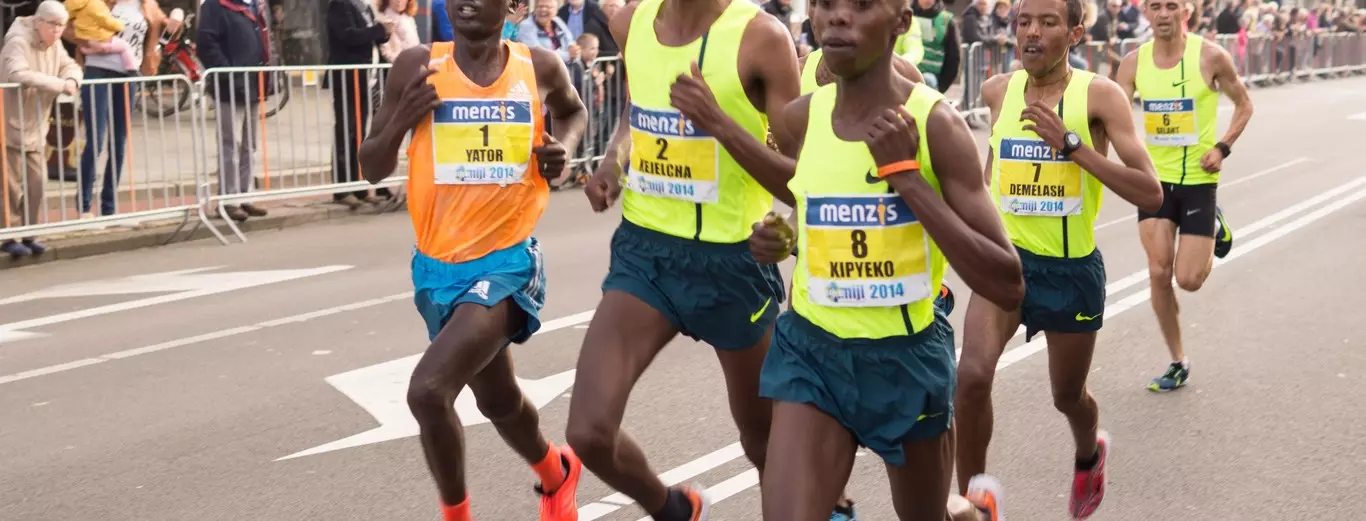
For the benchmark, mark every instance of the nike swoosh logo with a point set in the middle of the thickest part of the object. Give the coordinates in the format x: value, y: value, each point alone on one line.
x: 1084, y: 318
x: 923, y: 417
x: 870, y: 178
x: 755, y: 317
x: 1179, y: 83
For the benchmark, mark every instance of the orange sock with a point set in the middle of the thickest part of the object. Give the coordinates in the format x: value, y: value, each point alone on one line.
x: 459, y: 512
x: 551, y: 470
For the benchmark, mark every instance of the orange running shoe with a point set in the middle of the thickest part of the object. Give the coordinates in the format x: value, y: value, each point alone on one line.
x: 563, y: 504
x: 701, y: 503
x: 986, y: 493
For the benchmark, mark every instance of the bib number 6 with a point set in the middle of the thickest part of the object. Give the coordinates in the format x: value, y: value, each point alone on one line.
x: 1166, y: 120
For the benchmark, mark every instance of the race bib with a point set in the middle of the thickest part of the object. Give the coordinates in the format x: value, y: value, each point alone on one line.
x: 673, y: 158
x: 1036, y: 181
x: 865, y: 251
x: 1170, y: 123
x: 479, y: 142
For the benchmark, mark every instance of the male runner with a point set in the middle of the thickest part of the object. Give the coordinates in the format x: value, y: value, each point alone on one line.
x: 863, y: 357
x: 479, y: 161
x: 702, y: 75
x: 1051, y: 130
x: 1179, y: 77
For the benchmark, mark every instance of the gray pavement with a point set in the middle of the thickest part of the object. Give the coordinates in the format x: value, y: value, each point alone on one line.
x: 122, y: 400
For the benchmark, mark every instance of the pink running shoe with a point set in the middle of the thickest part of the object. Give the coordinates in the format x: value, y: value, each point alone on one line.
x: 1088, y: 486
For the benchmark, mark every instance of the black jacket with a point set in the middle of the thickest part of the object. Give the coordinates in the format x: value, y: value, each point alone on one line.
x: 351, y: 39
x: 594, y: 23
x: 232, y: 34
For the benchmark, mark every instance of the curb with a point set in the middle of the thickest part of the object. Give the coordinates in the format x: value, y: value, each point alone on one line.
x: 164, y: 233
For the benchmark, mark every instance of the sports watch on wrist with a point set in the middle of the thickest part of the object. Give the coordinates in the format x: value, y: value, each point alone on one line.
x: 1071, y: 142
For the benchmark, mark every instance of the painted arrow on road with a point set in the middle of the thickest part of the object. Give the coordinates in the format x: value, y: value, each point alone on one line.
x: 178, y: 285
x: 382, y: 390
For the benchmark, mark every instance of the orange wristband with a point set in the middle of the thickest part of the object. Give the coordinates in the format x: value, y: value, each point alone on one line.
x: 899, y: 166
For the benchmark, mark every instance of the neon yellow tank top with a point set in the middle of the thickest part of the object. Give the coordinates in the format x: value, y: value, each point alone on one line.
x: 1047, y: 203
x: 866, y: 267
x: 1180, y: 114
x: 680, y: 180
x: 813, y: 61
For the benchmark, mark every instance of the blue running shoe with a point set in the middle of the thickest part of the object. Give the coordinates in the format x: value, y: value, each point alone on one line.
x: 1175, y: 378
x: 1223, y: 235
x: 844, y: 513
x: 945, y: 300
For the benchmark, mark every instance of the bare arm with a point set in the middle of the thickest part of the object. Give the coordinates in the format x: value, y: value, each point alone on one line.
x: 907, y: 69
x: 993, y: 92
x: 1134, y: 179
x: 1127, y: 75
x: 378, y: 154
x: 1226, y: 79
x: 567, y: 114
x: 14, y: 59
x: 963, y: 223
x: 618, y: 148
x: 776, y: 65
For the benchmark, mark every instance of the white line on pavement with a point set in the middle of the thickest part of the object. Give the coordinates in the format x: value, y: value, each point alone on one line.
x: 1235, y: 182
x: 749, y: 477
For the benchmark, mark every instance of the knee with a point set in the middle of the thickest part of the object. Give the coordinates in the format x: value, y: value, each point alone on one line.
x: 503, y: 406
x: 754, y: 441
x: 428, y: 396
x: 1190, y: 281
x: 1160, y: 274
x: 1067, y: 401
x: 974, y: 382
x: 593, y: 439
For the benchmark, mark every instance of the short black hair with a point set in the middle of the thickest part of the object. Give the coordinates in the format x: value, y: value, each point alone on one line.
x: 1074, y: 12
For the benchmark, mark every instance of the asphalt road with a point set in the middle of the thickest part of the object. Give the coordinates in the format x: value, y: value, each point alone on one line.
x: 177, y: 396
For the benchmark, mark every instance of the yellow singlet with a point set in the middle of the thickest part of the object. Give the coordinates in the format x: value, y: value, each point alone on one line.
x: 1180, y: 114
x: 680, y: 180
x: 1047, y: 203
x: 866, y: 267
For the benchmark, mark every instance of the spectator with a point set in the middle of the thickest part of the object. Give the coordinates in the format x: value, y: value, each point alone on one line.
x: 43, y: 70
x: 398, y: 13
x: 353, y: 34
x: 780, y: 9
x: 544, y: 29
x: 94, y: 27
x: 516, y: 13
x: 585, y: 17
x: 588, y: 78
x: 806, y: 36
x: 1229, y: 19
x: 441, y: 22
x: 104, y: 106
x: 976, y: 26
x: 939, y: 34
x: 236, y: 33
x: 610, y: 8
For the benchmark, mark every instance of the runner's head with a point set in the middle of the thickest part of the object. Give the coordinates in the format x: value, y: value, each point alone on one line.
x: 858, y: 34
x: 1046, y: 30
x: 477, y: 19
x: 1168, y: 17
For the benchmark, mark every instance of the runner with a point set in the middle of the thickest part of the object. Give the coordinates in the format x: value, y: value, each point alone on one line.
x: 867, y: 265
x: 680, y: 263
x: 478, y: 168
x: 1051, y: 130
x: 1179, y: 77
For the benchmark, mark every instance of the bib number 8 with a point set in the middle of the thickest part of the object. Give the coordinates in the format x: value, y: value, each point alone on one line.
x: 858, y: 244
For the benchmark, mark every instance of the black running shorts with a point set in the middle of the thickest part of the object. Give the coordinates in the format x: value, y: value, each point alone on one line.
x: 1191, y: 207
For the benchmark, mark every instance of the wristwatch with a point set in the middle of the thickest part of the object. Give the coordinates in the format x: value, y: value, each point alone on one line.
x: 1071, y: 142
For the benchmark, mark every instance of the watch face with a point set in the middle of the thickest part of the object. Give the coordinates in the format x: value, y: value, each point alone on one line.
x: 1073, y: 140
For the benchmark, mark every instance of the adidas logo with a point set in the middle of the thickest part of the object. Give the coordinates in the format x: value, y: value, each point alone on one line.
x: 519, y: 92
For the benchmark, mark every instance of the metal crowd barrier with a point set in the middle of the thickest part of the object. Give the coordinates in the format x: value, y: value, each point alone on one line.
x: 173, y: 162
x: 147, y: 166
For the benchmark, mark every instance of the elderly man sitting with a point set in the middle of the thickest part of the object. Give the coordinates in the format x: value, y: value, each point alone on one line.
x: 32, y: 58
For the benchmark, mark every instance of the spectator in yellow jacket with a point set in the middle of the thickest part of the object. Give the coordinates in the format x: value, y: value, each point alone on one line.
x: 95, y: 27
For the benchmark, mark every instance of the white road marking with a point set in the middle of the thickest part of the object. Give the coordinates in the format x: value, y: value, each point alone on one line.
x: 186, y: 284
x: 1357, y: 117
x: 1235, y: 182
x: 749, y: 477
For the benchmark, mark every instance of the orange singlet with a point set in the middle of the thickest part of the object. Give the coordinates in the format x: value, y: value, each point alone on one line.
x: 473, y: 187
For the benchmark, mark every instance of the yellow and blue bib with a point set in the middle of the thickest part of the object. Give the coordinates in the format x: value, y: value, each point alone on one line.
x: 1047, y: 202
x: 1180, y: 114
x: 680, y: 180
x: 866, y: 266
